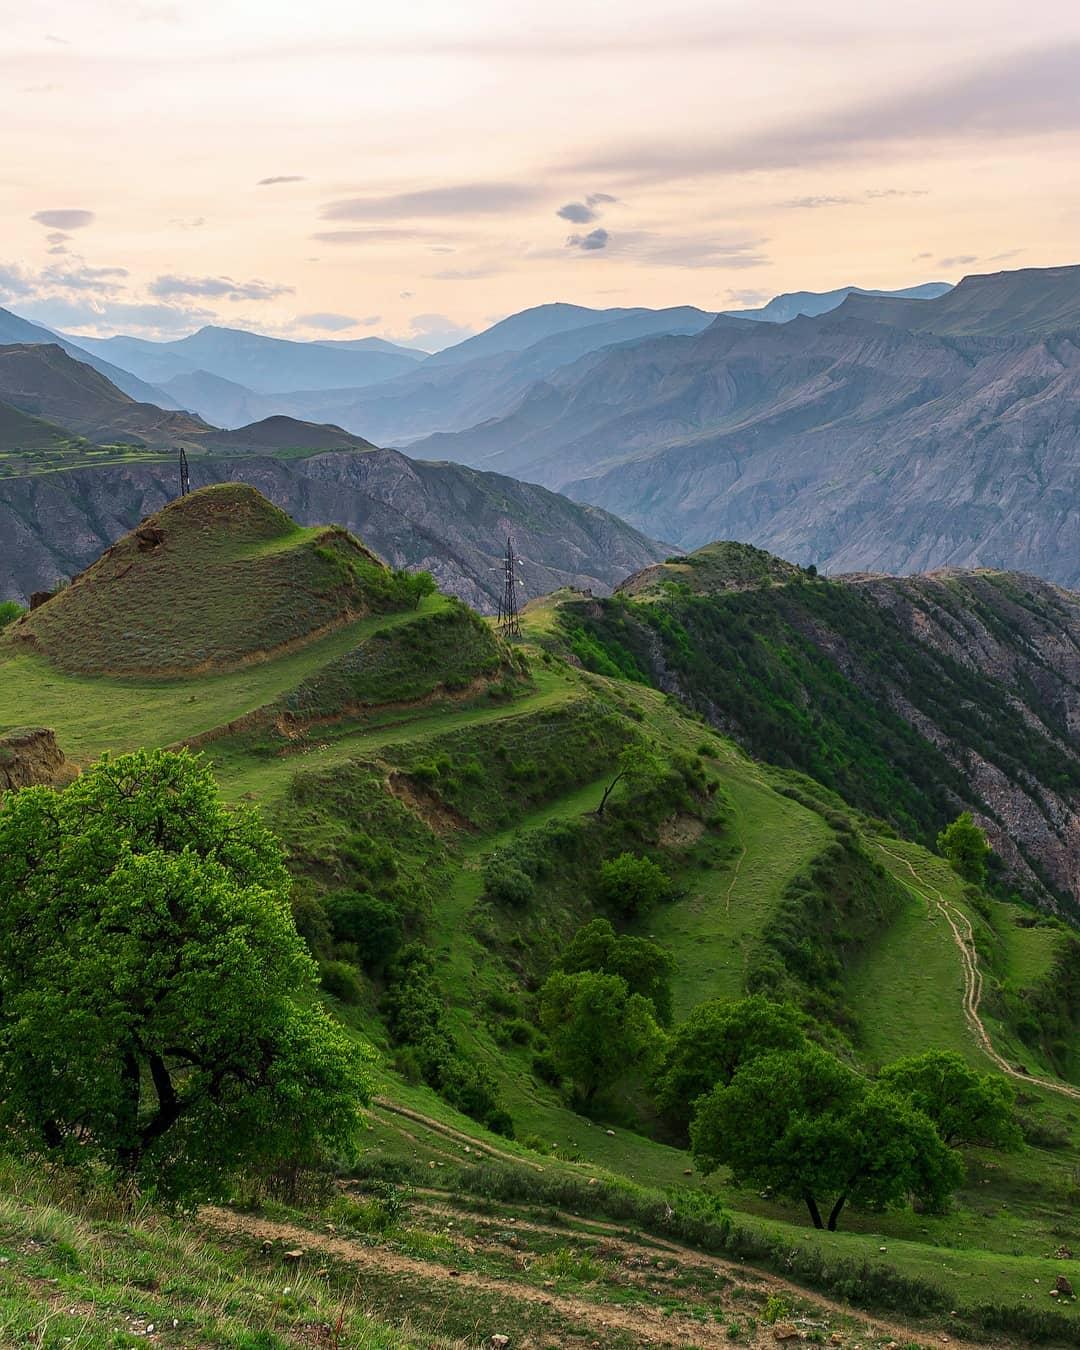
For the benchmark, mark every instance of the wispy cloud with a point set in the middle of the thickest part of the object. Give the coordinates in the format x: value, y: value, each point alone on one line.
x: 377, y: 234
x: 281, y: 178
x: 328, y: 322
x: 460, y: 199
x: 958, y: 260
x: 170, y: 285
x: 1029, y: 92
x: 581, y: 213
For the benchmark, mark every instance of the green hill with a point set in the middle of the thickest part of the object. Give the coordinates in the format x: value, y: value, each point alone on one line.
x: 216, y: 579
x: 424, y: 773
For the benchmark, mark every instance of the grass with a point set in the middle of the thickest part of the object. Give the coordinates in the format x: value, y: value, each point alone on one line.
x: 409, y: 696
x: 236, y: 578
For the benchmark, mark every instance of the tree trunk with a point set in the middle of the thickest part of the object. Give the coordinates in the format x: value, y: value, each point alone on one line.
x: 815, y: 1213
x: 607, y: 793
x: 169, y: 1106
x: 130, y: 1150
x: 835, y: 1213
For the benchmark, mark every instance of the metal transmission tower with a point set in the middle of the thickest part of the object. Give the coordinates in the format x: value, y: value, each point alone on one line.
x: 508, y: 603
x: 185, y: 476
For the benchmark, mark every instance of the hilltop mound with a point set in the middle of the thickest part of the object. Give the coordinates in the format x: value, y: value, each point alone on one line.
x: 45, y: 382
x: 216, y: 579
x: 723, y: 566
x: 284, y: 433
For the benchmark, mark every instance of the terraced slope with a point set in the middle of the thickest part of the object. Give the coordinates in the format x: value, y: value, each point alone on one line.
x: 402, y: 757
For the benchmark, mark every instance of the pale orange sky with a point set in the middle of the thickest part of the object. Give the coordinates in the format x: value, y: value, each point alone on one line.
x: 709, y: 154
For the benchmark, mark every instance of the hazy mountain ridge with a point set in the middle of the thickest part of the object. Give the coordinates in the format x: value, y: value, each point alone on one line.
x: 843, y: 440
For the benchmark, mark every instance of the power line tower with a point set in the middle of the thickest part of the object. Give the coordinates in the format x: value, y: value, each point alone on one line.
x: 508, y: 603
x: 185, y: 476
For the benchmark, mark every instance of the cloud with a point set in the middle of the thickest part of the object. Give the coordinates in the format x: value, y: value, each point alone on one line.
x: 64, y: 219
x: 14, y: 282
x: 958, y: 260
x: 748, y: 299
x: 433, y: 332
x: 814, y: 203
x: 330, y: 323
x: 57, y: 40
x: 466, y: 274
x: 1009, y: 253
x: 281, y: 178
x: 469, y: 199
x: 170, y: 285
x: 736, y: 255
x: 99, y: 280
x: 581, y: 213
x: 1029, y: 93
x: 406, y: 295
x: 107, y: 317
x: 577, y: 212
x: 591, y: 242
x: 378, y: 234
x: 188, y: 222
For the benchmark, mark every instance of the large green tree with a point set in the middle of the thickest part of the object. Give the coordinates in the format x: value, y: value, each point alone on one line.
x: 805, y: 1125
x: 714, y: 1041
x: 966, y: 1107
x: 599, y: 1030
x: 156, y: 1001
x: 645, y: 966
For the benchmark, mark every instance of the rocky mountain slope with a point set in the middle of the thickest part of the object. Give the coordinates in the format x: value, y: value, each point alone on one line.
x: 14, y: 329
x: 44, y: 381
x: 446, y: 519
x: 851, y: 440
x: 913, y: 697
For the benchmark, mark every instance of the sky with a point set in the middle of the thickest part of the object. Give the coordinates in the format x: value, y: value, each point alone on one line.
x: 416, y: 171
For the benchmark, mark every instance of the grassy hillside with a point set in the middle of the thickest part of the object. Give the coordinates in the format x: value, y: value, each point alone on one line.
x: 413, y: 758
x: 913, y: 698
x: 236, y: 578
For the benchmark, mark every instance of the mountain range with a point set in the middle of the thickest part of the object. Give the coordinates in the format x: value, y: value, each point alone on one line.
x: 887, y: 434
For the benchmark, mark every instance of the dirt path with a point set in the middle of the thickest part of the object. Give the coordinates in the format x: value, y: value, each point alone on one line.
x: 448, y: 1131
x: 964, y: 937
x: 648, y: 1324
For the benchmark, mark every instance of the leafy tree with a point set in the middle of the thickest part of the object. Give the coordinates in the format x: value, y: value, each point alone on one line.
x: 632, y: 884
x: 714, y: 1041
x: 371, y: 924
x: 9, y: 612
x: 806, y: 1126
x: 646, y: 967
x: 965, y: 846
x: 598, y: 1030
x: 639, y: 768
x: 966, y: 1107
x: 155, y: 997
x: 418, y: 585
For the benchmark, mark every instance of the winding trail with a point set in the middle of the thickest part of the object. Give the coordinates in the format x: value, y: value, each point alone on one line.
x: 964, y: 937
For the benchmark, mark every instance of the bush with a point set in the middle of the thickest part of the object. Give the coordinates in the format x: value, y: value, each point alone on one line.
x: 507, y: 884
x: 375, y: 926
x: 311, y: 922
x: 340, y: 980
x: 632, y: 884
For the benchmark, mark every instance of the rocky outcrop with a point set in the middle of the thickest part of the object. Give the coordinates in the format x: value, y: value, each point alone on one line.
x: 29, y: 756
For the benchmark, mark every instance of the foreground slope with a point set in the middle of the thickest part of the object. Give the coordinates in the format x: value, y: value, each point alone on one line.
x: 406, y: 756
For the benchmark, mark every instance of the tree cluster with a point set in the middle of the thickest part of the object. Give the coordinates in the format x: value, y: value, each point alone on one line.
x: 156, y: 1002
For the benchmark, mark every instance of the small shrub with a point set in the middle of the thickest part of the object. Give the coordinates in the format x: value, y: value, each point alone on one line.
x: 632, y: 884
x: 341, y: 981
